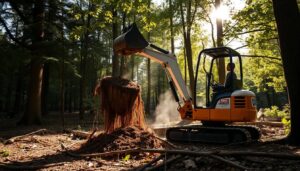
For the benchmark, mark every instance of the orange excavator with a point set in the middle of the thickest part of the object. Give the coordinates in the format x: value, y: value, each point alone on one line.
x: 217, y: 106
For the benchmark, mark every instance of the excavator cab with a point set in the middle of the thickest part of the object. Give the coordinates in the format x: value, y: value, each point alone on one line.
x: 215, y: 85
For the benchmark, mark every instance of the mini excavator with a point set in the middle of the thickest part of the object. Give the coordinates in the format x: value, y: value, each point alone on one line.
x: 216, y: 109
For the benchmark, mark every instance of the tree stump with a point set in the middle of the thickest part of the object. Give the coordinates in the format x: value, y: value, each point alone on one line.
x: 121, y: 103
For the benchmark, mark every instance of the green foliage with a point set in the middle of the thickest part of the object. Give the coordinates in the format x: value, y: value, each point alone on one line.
x: 275, y: 112
x: 256, y: 23
x: 284, y: 114
x: 127, y: 157
x: 287, y: 125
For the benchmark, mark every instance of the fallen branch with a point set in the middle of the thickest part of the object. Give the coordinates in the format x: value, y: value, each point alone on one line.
x: 32, y: 167
x: 150, y: 163
x: 79, y: 134
x: 260, y: 154
x: 13, y: 139
x: 91, y: 135
x: 104, y: 154
x: 165, y: 162
x: 228, y: 162
x: 165, y: 142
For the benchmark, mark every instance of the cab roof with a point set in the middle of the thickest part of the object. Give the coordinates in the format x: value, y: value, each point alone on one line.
x: 220, y: 52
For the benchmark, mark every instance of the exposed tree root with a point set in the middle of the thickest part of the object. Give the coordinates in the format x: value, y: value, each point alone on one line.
x: 166, y: 162
x: 231, y: 163
x: 167, y: 143
x: 141, y: 168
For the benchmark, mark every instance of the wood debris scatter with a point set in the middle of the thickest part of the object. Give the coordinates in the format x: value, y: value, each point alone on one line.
x: 130, y: 137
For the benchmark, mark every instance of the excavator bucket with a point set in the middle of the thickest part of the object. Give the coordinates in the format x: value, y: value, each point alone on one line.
x: 130, y: 42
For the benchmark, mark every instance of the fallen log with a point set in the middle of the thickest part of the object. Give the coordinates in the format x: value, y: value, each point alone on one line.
x: 13, y: 139
x: 79, y: 134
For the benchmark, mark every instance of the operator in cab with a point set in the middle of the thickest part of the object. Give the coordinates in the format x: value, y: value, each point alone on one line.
x: 230, y: 78
x: 228, y: 86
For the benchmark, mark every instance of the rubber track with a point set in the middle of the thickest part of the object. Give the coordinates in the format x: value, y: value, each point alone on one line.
x: 202, y: 134
x: 253, y: 130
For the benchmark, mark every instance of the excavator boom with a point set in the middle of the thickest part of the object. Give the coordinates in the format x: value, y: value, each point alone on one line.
x: 132, y: 42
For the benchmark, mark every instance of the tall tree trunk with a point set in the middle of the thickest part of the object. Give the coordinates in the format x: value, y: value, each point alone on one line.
x: 185, y: 67
x: 123, y: 69
x: 221, y: 61
x: 1, y: 94
x: 148, y: 85
x: 50, y: 36
x: 115, y: 58
x: 83, y: 63
x: 132, y: 66
x: 189, y: 58
x: 32, y: 114
x: 187, y: 42
x: 70, y: 99
x: 171, y: 26
x: 18, y: 95
x: 45, y: 88
x: 62, y: 92
x: 8, y: 94
x: 148, y: 98
x: 288, y: 24
x: 82, y: 85
x: 212, y: 32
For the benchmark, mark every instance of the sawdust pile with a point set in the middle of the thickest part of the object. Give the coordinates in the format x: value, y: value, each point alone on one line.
x: 122, y: 139
x: 122, y: 104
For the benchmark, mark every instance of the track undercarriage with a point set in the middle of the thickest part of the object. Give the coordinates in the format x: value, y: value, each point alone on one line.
x: 213, y: 134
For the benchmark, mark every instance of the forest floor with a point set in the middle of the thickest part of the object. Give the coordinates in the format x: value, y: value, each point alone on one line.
x: 43, y: 150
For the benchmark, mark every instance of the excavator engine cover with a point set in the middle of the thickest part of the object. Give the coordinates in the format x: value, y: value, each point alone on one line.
x: 130, y: 42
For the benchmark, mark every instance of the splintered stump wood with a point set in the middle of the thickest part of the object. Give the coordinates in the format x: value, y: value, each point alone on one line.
x: 122, y: 104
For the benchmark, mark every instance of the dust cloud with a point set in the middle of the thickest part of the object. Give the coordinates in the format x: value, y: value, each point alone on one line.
x: 166, y: 111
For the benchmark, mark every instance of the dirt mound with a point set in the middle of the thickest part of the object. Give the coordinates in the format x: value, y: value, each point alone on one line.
x: 122, y: 139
